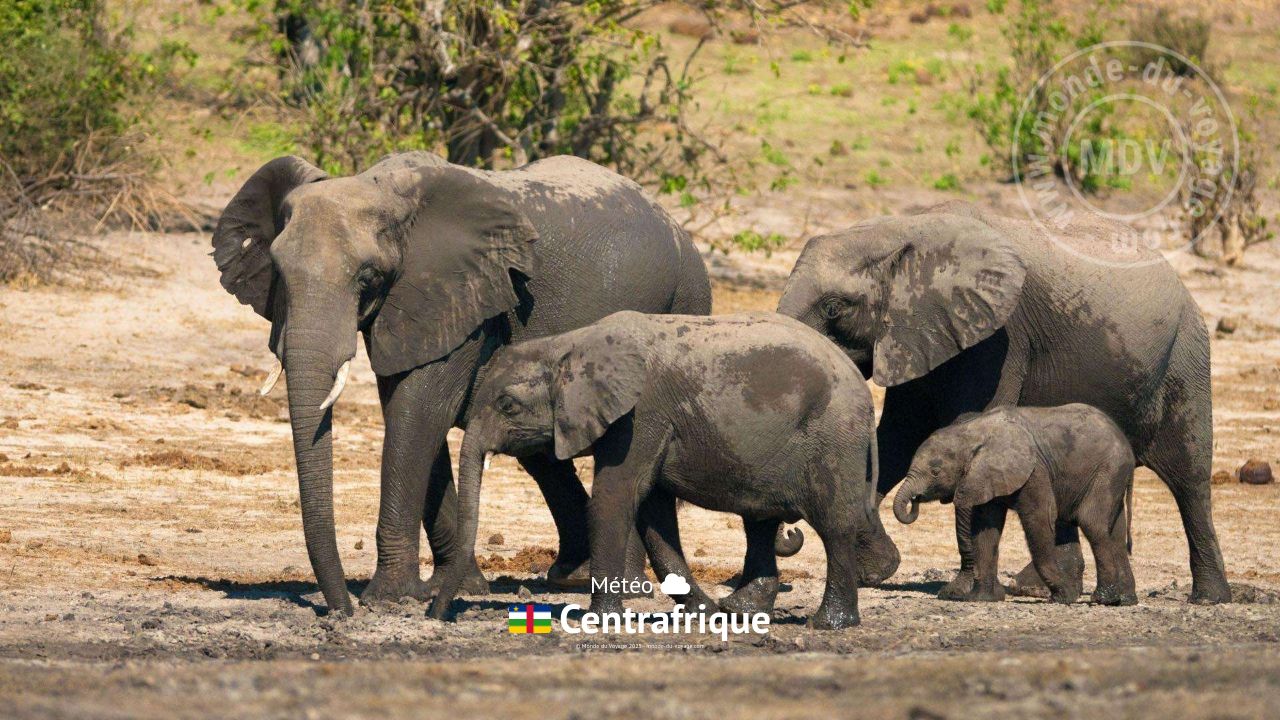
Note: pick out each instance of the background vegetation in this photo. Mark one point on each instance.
(110, 108)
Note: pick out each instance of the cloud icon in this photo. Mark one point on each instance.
(673, 585)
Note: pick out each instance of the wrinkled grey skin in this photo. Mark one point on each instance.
(1059, 468)
(958, 310)
(753, 414)
(437, 265)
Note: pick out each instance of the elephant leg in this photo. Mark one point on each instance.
(839, 607)
(988, 525)
(660, 531)
(758, 586)
(961, 585)
(417, 488)
(1039, 515)
(1185, 467)
(626, 467)
(567, 500)
(1108, 537)
(1027, 582)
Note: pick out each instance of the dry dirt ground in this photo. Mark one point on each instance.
(152, 564)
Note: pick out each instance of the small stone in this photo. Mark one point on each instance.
(1228, 324)
(151, 624)
(315, 656)
(147, 560)
(1221, 477)
(6, 536)
(1256, 472)
(699, 553)
(523, 593)
(50, 617)
(69, 616)
(360, 544)
(496, 539)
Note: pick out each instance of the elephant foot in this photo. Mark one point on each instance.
(570, 575)
(959, 588)
(1027, 582)
(1112, 595)
(381, 590)
(1063, 596)
(878, 560)
(993, 593)
(756, 596)
(612, 604)
(1210, 593)
(828, 618)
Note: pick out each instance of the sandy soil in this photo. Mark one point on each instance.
(152, 564)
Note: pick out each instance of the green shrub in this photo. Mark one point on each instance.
(1187, 35)
(947, 182)
(70, 89)
(1006, 101)
(62, 79)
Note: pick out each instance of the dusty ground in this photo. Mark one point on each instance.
(152, 564)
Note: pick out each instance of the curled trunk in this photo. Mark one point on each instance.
(787, 543)
(470, 471)
(907, 496)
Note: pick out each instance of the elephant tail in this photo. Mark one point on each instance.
(1128, 511)
(788, 542)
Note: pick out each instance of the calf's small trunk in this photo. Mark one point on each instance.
(905, 497)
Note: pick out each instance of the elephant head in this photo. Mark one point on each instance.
(559, 393)
(971, 463)
(902, 295)
(413, 253)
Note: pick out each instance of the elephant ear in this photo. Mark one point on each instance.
(596, 382)
(1000, 465)
(466, 250)
(248, 226)
(953, 281)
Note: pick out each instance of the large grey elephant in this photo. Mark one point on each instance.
(753, 414)
(958, 309)
(436, 265)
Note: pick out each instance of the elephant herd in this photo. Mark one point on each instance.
(529, 308)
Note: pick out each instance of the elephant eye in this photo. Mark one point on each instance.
(507, 405)
(934, 470)
(833, 308)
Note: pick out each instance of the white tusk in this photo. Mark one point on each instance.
(339, 383)
(272, 378)
(487, 457)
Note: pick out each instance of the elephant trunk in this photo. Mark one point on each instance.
(471, 462)
(313, 359)
(907, 495)
(787, 543)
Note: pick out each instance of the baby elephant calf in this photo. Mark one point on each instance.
(754, 414)
(1060, 466)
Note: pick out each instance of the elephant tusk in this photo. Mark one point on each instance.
(339, 383)
(272, 378)
(487, 458)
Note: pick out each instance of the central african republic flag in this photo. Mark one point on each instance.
(531, 618)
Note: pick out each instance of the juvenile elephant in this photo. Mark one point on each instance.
(753, 414)
(436, 265)
(1058, 468)
(958, 310)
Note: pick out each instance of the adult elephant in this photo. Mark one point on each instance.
(957, 310)
(436, 265)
